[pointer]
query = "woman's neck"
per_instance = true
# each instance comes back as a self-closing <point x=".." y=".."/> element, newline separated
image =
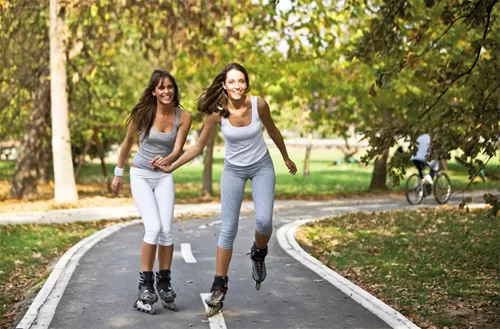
<point x="164" y="109"/>
<point x="237" y="104"/>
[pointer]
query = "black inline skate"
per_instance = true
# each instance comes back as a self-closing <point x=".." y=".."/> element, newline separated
<point x="258" y="257"/>
<point x="147" y="295"/>
<point x="165" y="291"/>
<point x="219" y="290"/>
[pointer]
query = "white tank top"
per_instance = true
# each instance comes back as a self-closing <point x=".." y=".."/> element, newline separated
<point x="244" y="145"/>
<point x="423" y="141"/>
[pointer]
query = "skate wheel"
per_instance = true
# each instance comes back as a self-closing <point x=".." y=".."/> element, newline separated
<point x="144" y="307"/>
<point x="171" y="306"/>
<point x="212" y="310"/>
<point x="152" y="310"/>
<point x="257" y="285"/>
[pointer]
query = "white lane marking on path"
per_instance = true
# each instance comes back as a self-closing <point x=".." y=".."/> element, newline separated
<point x="286" y="239"/>
<point x="216" y="321"/>
<point x="43" y="308"/>
<point x="187" y="254"/>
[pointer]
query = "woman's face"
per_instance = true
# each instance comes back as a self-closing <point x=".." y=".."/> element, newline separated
<point x="164" y="91"/>
<point x="235" y="84"/>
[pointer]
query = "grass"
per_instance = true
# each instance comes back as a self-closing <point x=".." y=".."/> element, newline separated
<point x="27" y="253"/>
<point x="326" y="180"/>
<point x="437" y="267"/>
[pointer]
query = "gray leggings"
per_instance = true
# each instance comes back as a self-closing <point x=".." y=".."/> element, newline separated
<point x="232" y="187"/>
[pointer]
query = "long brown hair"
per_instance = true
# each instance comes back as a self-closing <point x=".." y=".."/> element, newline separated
<point x="143" y="113"/>
<point x="214" y="98"/>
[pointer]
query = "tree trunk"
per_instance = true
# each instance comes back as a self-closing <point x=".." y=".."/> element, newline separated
<point x="208" y="159"/>
<point x="45" y="158"/>
<point x="64" y="178"/>
<point x="26" y="174"/>
<point x="308" y="155"/>
<point x="379" y="175"/>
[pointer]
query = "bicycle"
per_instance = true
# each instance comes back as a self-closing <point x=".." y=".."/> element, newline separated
<point x="417" y="188"/>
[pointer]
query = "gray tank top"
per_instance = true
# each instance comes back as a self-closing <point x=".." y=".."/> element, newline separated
<point x="157" y="143"/>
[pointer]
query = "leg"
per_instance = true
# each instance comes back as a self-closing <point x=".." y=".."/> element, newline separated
<point x="420" y="167"/>
<point x="165" y="198"/>
<point x="232" y="188"/>
<point x="142" y="193"/>
<point x="263" y="187"/>
<point x="222" y="261"/>
<point x="148" y="254"/>
<point x="434" y="164"/>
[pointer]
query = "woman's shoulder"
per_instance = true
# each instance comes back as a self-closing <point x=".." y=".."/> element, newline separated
<point x="213" y="118"/>
<point x="184" y="114"/>
<point x="261" y="104"/>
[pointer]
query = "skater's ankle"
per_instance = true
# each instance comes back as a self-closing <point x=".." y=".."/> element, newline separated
<point x="259" y="250"/>
<point x="164" y="273"/>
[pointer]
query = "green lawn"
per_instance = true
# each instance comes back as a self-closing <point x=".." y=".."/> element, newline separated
<point x="438" y="267"/>
<point x="27" y="253"/>
<point x="325" y="179"/>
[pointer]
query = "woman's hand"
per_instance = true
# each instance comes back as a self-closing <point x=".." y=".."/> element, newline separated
<point x="117" y="184"/>
<point x="159" y="161"/>
<point x="292" y="168"/>
<point x="165" y="168"/>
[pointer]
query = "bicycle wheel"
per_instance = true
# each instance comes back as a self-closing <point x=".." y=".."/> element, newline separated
<point x="414" y="189"/>
<point x="442" y="188"/>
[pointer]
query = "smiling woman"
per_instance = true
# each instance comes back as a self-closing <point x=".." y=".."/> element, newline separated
<point x="162" y="126"/>
<point x="240" y="116"/>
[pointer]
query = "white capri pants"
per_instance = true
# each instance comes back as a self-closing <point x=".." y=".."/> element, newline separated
<point x="154" y="196"/>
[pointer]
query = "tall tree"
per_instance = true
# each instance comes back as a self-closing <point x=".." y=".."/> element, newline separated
<point x="432" y="62"/>
<point x="30" y="162"/>
<point x="64" y="178"/>
<point x="25" y="89"/>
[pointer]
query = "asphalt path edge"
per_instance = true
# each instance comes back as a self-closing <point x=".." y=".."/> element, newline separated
<point x="43" y="307"/>
<point x="287" y="241"/>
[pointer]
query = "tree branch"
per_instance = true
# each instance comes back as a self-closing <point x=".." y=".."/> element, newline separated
<point x="485" y="33"/>
<point x="491" y="93"/>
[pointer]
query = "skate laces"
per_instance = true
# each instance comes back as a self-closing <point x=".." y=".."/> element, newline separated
<point x="259" y="266"/>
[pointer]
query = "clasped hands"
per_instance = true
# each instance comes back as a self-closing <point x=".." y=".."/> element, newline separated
<point x="162" y="164"/>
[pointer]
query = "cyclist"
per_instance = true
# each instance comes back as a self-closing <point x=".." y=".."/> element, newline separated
<point x="419" y="159"/>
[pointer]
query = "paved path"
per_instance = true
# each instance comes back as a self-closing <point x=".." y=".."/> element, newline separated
<point x="101" y="290"/>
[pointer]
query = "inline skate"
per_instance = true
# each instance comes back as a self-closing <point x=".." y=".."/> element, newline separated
<point x="147" y="296"/>
<point x="258" y="257"/>
<point x="218" y="293"/>
<point x="165" y="291"/>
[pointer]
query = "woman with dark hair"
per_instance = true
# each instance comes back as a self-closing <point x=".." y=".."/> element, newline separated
<point x="163" y="127"/>
<point x="240" y="116"/>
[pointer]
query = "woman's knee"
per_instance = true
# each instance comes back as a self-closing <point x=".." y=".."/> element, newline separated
<point x="265" y="227"/>
<point x="226" y="239"/>
<point x="151" y="235"/>
<point x="166" y="238"/>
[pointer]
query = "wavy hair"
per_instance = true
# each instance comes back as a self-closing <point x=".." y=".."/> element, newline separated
<point x="143" y="113"/>
<point x="214" y="98"/>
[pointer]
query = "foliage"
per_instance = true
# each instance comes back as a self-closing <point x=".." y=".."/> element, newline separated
<point x="431" y="62"/>
<point x="494" y="202"/>
<point x="23" y="39"/>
